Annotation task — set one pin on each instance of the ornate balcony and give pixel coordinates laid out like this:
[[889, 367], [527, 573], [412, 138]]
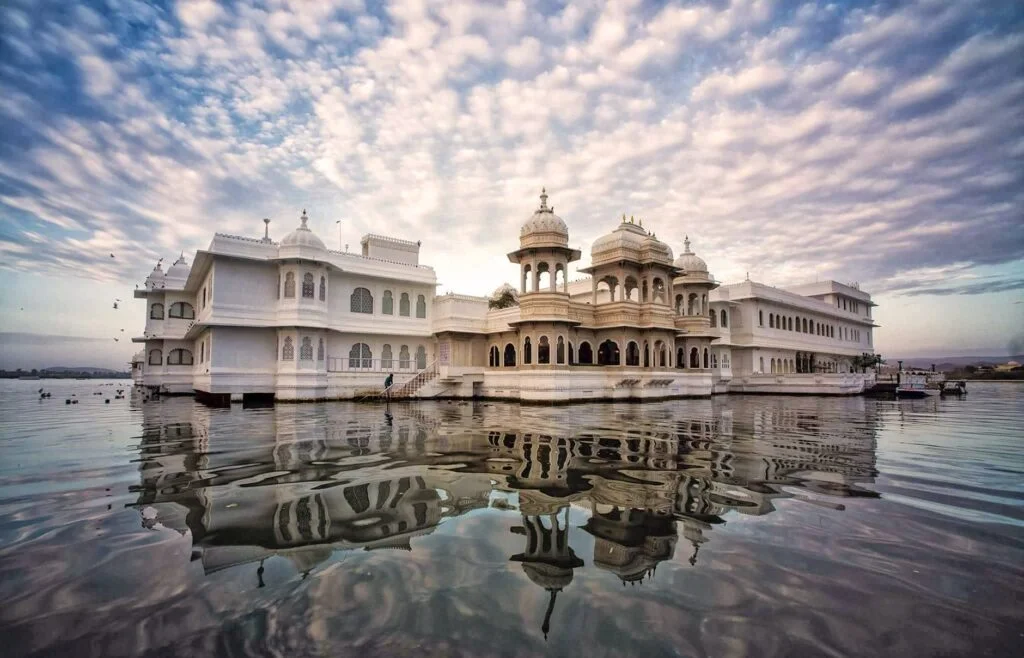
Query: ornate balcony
[[695, 325]]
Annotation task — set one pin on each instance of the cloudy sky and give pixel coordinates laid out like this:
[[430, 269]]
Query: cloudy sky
[[874, 142]]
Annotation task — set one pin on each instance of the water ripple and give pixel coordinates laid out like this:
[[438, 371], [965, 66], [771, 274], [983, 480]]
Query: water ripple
[[730, 526]]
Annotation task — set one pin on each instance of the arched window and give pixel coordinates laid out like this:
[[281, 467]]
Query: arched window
[[771, 320], [308, 286], [320, 350], [790, 322], [279, 285], [760, 318], [773, 366], [647, 355], [288, 350], [608, 354], [705, 357], [403, 357], [179, 357], [360, 356], [660, 354], [632, 354], [306, 349], [560, 350], [714, 359], [156, 311], [421, 306], [805, 326], [323, 288], [543, 350], [510, 355], [181, 310], [421, 357], [762, 364], [680, 358], [388, 305], [714, 318], [527, 351], [725, 319], [403, 305], [362, 301], [694, 357], [386, 360], [572, 354], [586, 353], [492, 356], [289, 285], [202, 352], [156, 358], [679, 304]]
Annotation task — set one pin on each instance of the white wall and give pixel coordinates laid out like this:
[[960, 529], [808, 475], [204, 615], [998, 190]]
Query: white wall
[[238, 347], [243, 282], [339, 294]]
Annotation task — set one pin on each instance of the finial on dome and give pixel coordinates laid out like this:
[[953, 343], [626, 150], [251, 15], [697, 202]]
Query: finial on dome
[[641, 222], [304, 218], [631, 219], [543, 198], [266, 229], [623, 218], [686, 245]]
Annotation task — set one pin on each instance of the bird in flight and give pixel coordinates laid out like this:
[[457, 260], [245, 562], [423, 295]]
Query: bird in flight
[[116, 340], [111, 255], [115, 305]]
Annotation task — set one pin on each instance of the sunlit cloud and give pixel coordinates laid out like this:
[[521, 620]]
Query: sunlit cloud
[[859, 143]]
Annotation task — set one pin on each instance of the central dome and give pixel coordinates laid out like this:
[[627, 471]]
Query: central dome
[[630, 241], [303, 237], [544, 228]]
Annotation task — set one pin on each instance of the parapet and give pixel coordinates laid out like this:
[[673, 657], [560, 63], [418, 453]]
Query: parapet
[[392, 249]]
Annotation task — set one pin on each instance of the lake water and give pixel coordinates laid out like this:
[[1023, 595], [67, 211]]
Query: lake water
[[733, 526]]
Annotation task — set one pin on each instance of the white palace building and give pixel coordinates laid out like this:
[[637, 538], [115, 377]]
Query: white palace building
[[297, 321]]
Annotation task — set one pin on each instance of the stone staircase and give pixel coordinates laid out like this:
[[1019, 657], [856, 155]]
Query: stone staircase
[[408, 389]]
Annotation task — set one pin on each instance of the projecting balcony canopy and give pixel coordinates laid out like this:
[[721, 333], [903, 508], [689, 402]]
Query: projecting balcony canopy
[[670, 270], [570, 254]]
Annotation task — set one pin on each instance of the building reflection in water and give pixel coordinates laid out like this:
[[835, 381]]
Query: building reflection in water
[[301, 482]]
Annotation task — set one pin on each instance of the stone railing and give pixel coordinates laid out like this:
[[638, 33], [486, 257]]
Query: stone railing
[[543, 305], [699, 325]]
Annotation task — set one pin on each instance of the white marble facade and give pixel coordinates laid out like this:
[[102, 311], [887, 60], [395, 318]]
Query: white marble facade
[[297, 321]]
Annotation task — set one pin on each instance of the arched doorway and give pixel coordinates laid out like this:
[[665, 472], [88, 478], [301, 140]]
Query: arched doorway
[[694, 357], [586, 353], [632, 354], [608, 353], [706, 359], [510, 355]]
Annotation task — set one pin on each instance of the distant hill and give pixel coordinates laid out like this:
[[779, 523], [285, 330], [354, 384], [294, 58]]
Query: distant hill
[[92, 369], [944, 363]]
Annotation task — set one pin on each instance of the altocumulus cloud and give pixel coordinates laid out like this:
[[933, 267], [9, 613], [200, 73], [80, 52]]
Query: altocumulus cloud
[[883, 143]]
